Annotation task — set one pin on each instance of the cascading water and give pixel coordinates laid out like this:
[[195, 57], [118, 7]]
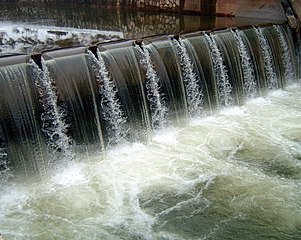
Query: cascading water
[[286, 55], [298, 55], [235, 174], [53, 123], [110, 105], [271, 76], [250, 87], [153, 87], [221, 73], [3, 166], [191, 80]]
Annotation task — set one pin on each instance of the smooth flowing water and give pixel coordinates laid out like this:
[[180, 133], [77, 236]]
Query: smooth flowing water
[[233, 175], [27, 27]]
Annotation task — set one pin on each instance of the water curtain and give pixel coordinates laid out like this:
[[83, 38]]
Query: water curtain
[[67, 101]]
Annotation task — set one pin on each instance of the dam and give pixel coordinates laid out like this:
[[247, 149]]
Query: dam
[[186, 135]]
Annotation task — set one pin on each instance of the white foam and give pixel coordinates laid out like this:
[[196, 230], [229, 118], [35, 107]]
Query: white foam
[[168, 137], [71, 175], [279, 93], [234, 111]]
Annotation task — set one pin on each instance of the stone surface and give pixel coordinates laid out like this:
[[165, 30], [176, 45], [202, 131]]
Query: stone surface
[[296, 7]]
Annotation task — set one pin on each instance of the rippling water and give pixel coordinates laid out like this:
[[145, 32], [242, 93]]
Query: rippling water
[[234, 175]]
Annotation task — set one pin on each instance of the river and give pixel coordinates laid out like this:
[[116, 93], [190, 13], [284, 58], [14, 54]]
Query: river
[[233, 175]]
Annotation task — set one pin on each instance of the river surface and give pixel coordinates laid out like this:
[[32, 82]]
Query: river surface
[[233, 175]]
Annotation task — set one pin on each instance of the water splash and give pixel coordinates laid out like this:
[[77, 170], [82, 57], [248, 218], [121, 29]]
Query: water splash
[[221, 73], [268, 60], [250, 86], [191, 80], [153, 87], [53, 117], [286, 55], [110, 105], [4, 169]]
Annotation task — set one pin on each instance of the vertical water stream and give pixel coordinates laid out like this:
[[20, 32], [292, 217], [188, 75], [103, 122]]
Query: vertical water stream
[[221, 73], [194, 94], [153, 87], [111, 108], [286, 55], [53, 124], [250, 87], [272, 82]]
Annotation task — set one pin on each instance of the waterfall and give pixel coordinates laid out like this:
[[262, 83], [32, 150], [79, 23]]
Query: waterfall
[[53, 124], [221, 73], [155, 95], [73, 101], [111, 108], [286, 55], [271, 76], [194, 94], [250, 86]]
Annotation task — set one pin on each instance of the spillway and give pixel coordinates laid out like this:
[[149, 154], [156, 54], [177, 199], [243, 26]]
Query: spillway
[[173, 137]]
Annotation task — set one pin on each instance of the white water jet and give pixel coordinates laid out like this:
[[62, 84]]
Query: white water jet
[[53, 116], [154, 94], [271, 76], [191, 80], [221, 73], [4, 169], [250, 86], [286, 55], [111, 108]]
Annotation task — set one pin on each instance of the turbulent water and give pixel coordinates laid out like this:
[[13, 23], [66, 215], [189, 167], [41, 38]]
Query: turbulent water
[[233, 175]]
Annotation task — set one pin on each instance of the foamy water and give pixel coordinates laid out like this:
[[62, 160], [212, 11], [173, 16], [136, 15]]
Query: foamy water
[[234, 175]]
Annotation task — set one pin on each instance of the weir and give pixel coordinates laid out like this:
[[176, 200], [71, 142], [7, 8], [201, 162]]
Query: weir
[[86, 100]]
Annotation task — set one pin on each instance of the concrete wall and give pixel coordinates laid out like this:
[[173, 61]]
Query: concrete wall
[[202, 6], [271, 9], [296, 7]]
